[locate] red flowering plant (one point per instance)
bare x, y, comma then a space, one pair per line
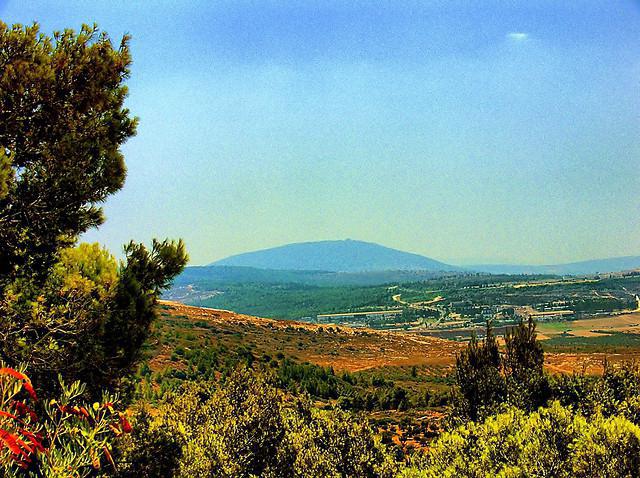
59, 438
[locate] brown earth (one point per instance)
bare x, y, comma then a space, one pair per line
343, 348
629, 322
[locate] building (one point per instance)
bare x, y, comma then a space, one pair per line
363, 316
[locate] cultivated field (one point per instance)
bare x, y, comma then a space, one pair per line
625, 323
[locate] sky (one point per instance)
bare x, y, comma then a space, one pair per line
467, 131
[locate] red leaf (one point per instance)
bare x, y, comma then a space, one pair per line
8, 415
26, 383
11, 442
95, 461
126, 426
29, 388
22, 409
34, 438
13, 373
109, 457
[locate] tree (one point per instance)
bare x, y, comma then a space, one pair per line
479, 384
62, 122
67, 310
523, 363
90, 317
485, 378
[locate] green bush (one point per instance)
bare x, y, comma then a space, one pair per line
248, 427
553, 441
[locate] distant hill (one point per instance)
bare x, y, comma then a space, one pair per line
336, 256
616, 264
212, 276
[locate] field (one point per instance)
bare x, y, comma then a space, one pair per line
594, 327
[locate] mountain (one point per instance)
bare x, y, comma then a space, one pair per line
335, 256
615, 264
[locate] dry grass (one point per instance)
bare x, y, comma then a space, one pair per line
342, 348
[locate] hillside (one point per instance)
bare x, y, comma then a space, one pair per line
340, 347
400, 381
335, 256
199, 331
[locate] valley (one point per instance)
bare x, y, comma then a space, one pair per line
400, 379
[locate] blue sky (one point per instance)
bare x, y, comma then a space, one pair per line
468, 131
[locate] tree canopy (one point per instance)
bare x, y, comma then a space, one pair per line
62, 122
64, 309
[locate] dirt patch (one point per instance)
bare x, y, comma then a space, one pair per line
590, 327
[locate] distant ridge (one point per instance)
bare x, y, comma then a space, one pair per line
335, 256
596, 266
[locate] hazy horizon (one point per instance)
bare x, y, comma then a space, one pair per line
469, 133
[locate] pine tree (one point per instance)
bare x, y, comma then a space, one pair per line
523, 367
62, 122
73, 311
480, 386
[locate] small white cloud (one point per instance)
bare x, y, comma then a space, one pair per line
518, 36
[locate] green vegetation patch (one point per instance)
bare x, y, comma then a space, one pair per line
607, 342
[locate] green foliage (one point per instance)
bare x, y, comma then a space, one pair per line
90, 317
133, 307
55, 326
62, 122
6, 174
553, 441
616, 392
522, 364
480, 384
57, 438
334, 444
149, 451
247, 427
485, 378
300, 294
293, 301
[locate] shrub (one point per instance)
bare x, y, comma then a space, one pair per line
247, 427
62, 437
553, 441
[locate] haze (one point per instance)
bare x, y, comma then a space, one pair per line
465, 131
